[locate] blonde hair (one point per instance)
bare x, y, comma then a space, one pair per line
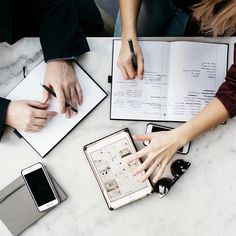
216, 17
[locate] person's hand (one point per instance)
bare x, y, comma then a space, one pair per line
28, 116
159, 152
125, 62
61, 77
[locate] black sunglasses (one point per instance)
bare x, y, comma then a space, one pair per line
177, 168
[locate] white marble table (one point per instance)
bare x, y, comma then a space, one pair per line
203, 202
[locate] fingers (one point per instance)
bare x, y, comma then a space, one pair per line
67, 93
61, 99
147, 137
127, 70
39, 120
35, 128
46, 94
68, 112
79, 93
61, 76
130, 70
140, 67
42, 114
151, 169
76, 94
74, 98
138, 155
147, 163
123, 72
37, 104
160, 171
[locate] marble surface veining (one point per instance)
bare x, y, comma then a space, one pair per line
203, 202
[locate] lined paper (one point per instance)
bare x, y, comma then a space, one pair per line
196, 72
180, 78
142, 99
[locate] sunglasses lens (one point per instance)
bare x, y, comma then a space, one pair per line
179, 167
163, 186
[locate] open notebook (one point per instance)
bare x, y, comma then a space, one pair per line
180, 78
59, 126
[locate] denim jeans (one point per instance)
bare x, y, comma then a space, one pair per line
158, 18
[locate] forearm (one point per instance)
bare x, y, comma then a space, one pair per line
129, 15
213, 114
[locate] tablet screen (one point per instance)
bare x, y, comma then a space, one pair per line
110, 163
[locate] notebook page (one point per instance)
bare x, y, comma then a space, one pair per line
196, 72
142, 99
59, 126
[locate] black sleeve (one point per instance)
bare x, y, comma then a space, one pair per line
3, 110
60, 32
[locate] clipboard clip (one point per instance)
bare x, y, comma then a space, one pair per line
24, 71
109, 79
17, 133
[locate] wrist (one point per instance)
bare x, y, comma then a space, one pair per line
8, 114
184, 134
59, 62
129, 34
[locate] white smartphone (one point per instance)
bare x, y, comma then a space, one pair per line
107, 158
40, 186
157, 128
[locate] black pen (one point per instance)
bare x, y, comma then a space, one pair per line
54, 94
133, 55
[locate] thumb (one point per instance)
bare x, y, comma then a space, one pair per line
147, 137
37, 104
140, 67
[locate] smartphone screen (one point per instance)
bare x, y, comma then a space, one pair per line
40, 187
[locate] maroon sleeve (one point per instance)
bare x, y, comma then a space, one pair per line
227, 91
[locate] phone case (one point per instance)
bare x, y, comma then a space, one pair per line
48, 179
90, 144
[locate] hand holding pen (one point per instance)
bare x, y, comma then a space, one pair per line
130, 61
133, 55
62, 82
54, 94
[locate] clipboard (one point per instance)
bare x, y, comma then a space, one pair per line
110, 80
31, 139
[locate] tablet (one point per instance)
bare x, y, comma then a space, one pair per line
108, 160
